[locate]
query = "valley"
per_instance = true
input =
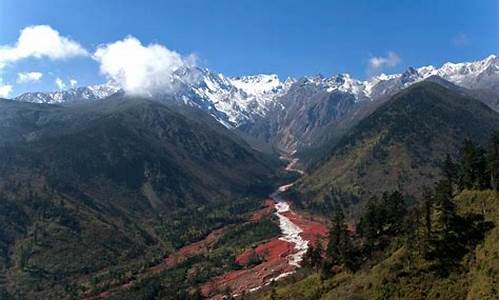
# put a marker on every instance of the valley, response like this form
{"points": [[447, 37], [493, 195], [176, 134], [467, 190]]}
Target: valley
{"points": [[248, 187], [281, 256], [249, 150], [278, 257]]}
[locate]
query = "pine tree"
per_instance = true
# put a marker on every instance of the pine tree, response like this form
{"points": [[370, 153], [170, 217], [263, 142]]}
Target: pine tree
{"points": [[444, 234], [492, 158], [312, 258], [449, 169], [428, 201], [369, 225], [396, 211], [482, 175], [467, 170], [340, 250]]}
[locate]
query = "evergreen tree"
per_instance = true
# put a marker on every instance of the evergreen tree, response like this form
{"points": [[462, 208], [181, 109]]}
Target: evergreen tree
{"points": [[369, 226], [467, 170], [483, 178], [428, 202], [444, 234], [312, 258], [395, 212], [492, 161], [449, 169], [340, 250]]}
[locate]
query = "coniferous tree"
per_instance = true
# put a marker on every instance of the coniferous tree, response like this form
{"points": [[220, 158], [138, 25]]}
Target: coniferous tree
{"points": [[492, 158], [444, 234], [340, 250], [449, 169], [312, 258], [467, 170], [396, 211], [428, 202], [369, 226], [483, 178]]}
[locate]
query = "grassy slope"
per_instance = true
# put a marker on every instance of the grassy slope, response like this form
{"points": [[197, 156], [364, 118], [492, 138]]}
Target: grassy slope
{"points": [[390, 278]]}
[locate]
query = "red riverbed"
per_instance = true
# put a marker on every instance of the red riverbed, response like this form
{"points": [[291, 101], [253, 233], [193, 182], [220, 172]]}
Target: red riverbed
{"points": [[275, 263], [275, 254]]}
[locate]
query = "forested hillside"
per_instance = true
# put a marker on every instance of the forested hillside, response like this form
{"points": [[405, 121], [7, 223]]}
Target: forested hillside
{"points": [[443, 247]]}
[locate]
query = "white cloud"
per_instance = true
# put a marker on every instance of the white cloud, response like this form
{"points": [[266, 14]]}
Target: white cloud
{"points": [[141, 70], [60, 83], [73, 83], [377, 64], [28, 77], [40, 41], [5, 90]]}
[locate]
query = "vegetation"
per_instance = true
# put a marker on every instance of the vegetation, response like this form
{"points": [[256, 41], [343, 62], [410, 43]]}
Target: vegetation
{"points": [[444, 246], [183, 281], [91, 195], [397, 147]]}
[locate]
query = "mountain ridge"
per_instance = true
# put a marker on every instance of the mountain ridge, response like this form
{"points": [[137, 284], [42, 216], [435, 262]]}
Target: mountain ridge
{"points": [[234, 101], [397, 147]]}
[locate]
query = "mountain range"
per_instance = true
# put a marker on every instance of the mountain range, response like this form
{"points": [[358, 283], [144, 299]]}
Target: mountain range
{"points": [[284, 115], [400, 146], [98, 187]]}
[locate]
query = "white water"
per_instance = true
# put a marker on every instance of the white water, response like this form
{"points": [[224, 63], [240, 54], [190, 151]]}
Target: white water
{"points": [[291, 234], [290, 231]]}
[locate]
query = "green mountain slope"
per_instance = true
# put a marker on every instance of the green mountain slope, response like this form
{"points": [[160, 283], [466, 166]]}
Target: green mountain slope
{"points": [[113, 186], [395, 277], [399, 146]]}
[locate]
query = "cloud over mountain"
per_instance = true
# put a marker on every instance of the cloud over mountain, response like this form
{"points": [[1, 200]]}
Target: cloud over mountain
{"points": [[378, 63], [24, 77], [142, 70]]}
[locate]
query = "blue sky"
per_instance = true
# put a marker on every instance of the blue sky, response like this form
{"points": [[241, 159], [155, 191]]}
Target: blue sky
{"points": [[290, 38]]}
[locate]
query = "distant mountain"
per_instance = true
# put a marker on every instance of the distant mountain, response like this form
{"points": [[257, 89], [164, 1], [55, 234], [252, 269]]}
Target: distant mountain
{"points": [[317, 111], [231, 101], [295, 113], [114, 184], [92, 92], [399, 146]]}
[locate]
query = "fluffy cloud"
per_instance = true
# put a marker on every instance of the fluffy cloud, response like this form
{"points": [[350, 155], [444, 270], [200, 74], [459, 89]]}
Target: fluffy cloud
{"points": [[60, 83], [40, 41], [377, 64], [142, 70], [5, 90], [73, 83], [28, 77]]}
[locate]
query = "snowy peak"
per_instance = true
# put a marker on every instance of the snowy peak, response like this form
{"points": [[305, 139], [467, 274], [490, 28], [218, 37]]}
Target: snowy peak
{"points": [[477, 75], [472, 75], [262, 85], [234, 101], [92, 92]]}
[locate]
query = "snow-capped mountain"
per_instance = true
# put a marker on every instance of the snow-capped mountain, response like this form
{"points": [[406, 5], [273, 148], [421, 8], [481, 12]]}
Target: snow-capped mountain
{"points": [[235, 101], [317, 109], [92, 92], [232, 101], [477, 75]]}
